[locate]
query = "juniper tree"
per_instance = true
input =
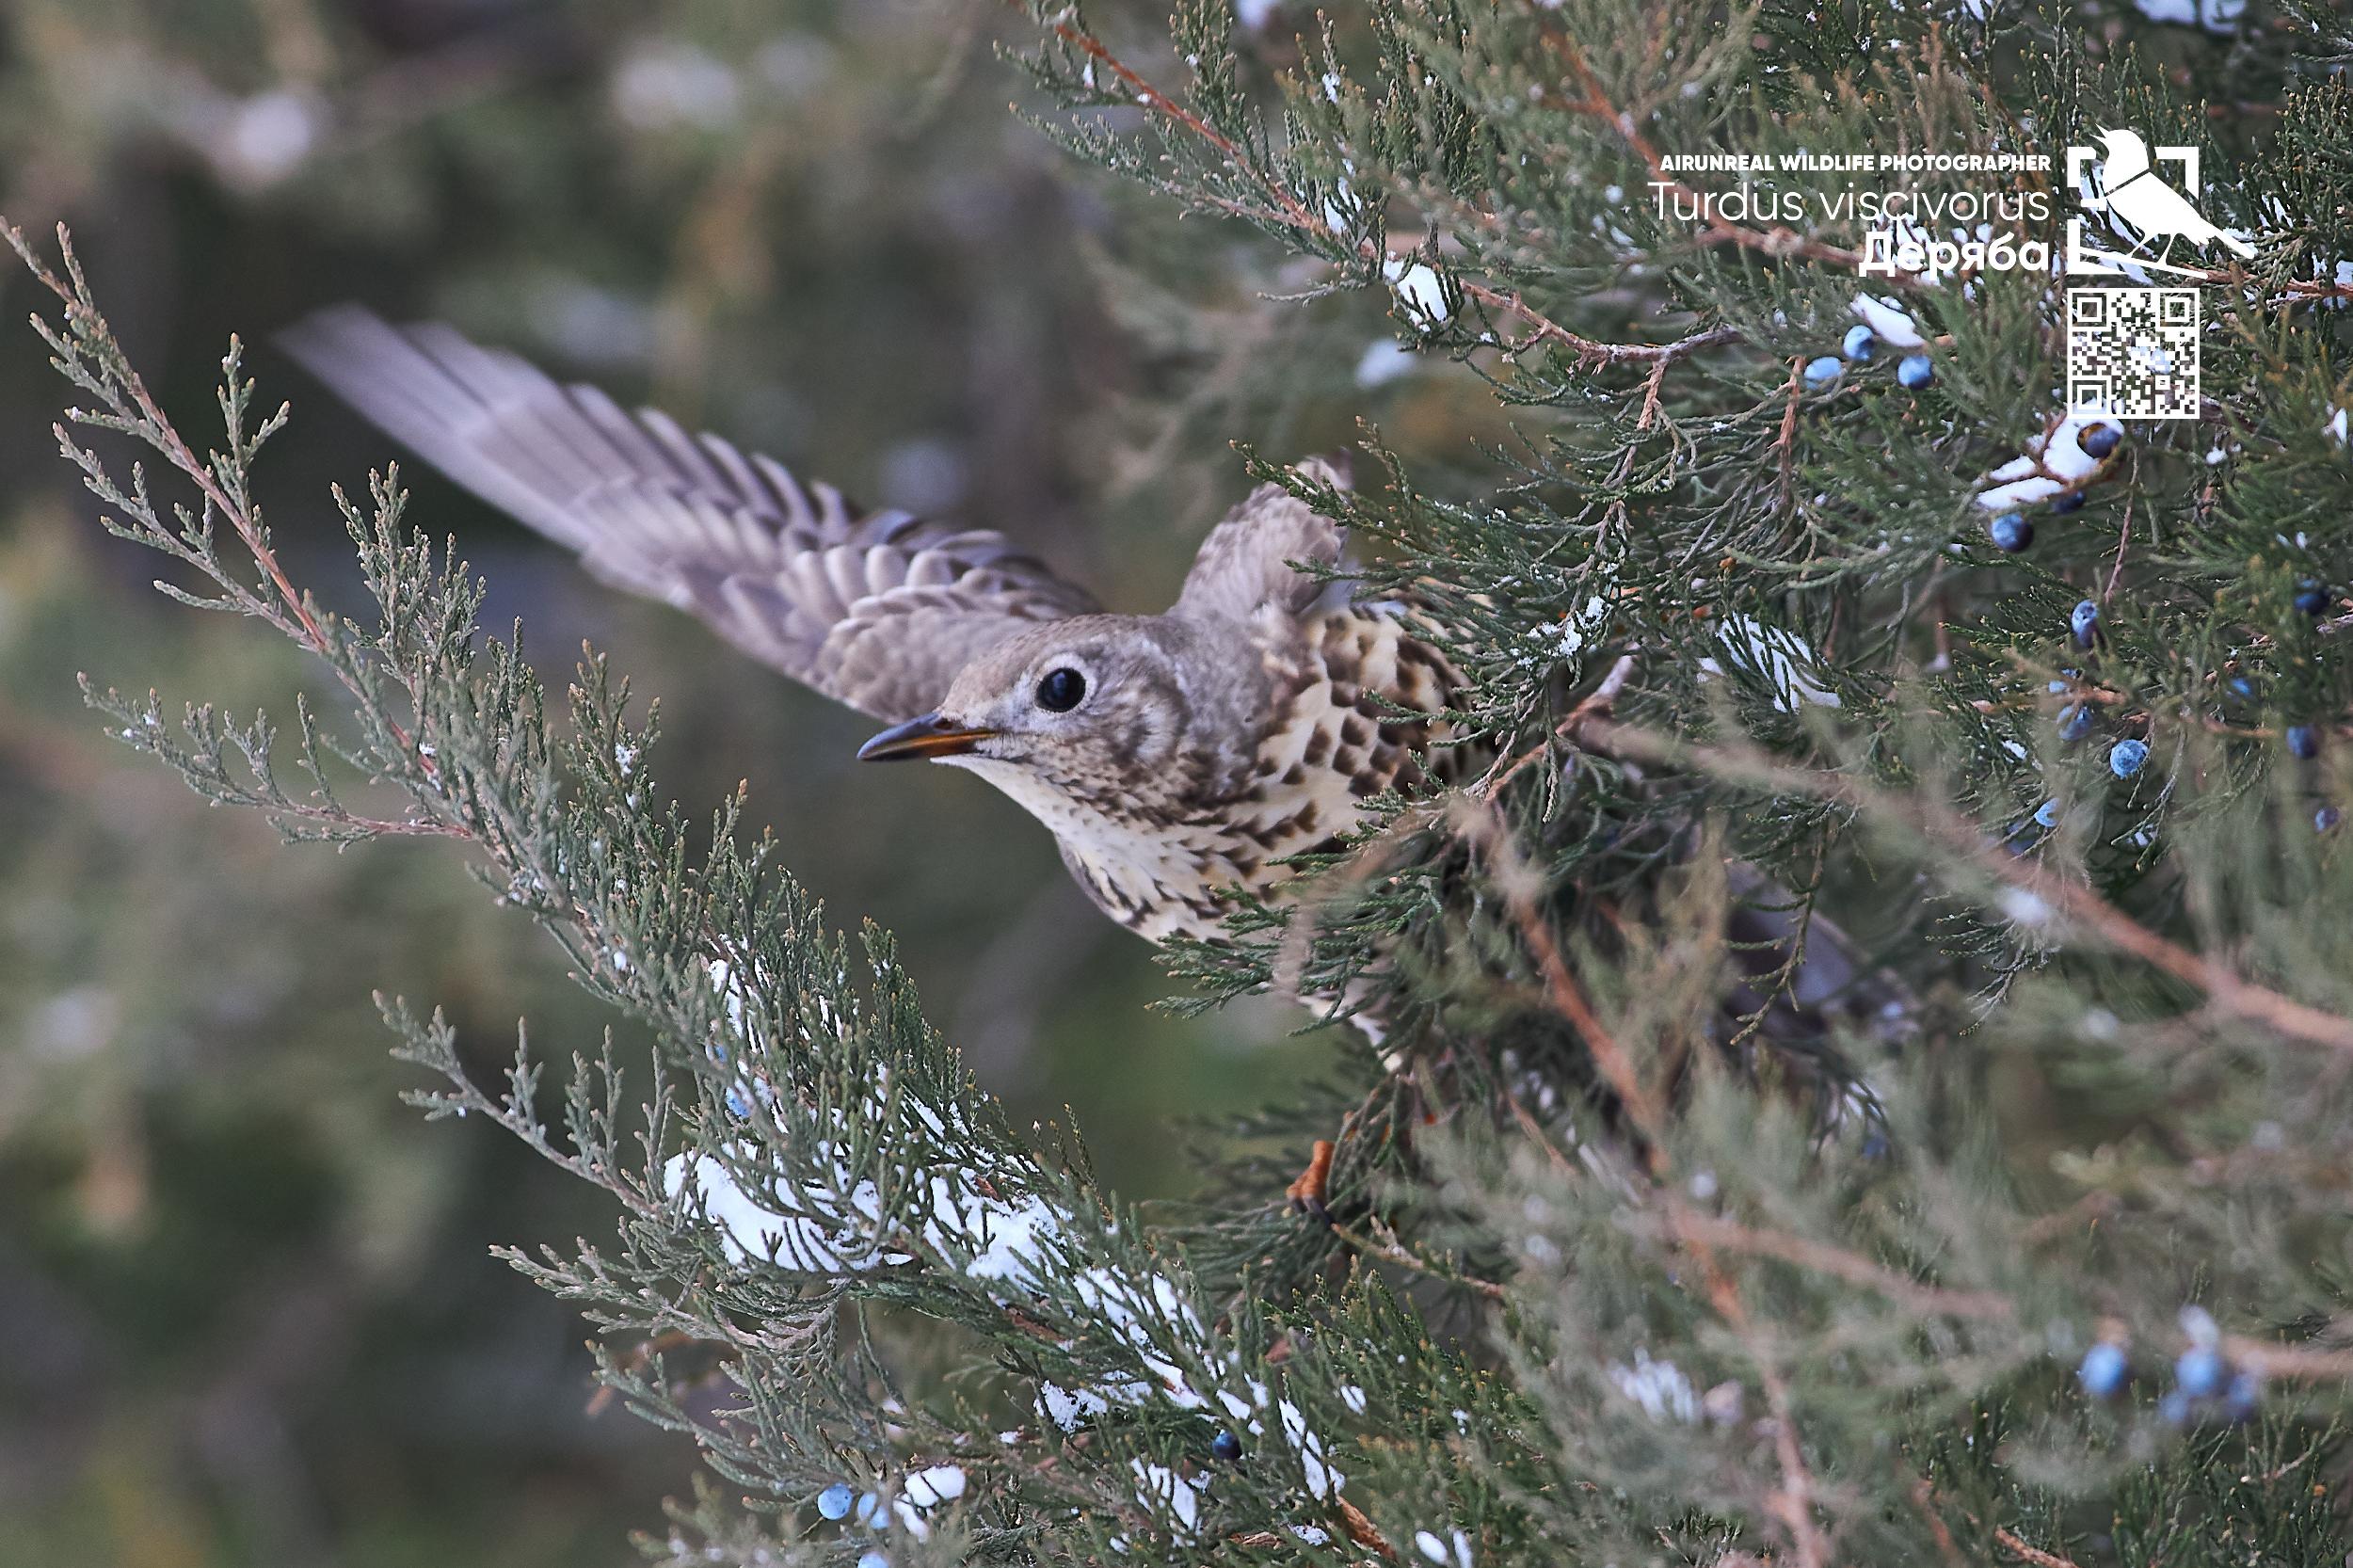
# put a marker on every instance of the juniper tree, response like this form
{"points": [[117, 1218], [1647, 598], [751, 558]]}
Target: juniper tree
{"points": [[1784, 566]]}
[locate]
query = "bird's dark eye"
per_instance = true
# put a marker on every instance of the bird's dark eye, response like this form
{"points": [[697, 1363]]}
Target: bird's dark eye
{"points": [[1062, 690]]}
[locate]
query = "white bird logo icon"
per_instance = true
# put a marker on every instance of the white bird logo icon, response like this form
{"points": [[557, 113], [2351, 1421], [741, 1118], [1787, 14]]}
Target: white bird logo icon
{"points": [[2137, 195]]}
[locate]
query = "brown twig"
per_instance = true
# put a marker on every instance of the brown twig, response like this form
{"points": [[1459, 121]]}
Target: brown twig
{"points": [[1480, 823], [2123, 540], [176, 452], [1651, 385], [1285, 207], [1599, 703], [2011, 1541], [1361, 1529], [1390, 1250], [2225, 989], [1785, 444], [1793, 1505], [1542, 329], [1822, 1258], [1924, 1498], [296, 619], [2300, 1362]]}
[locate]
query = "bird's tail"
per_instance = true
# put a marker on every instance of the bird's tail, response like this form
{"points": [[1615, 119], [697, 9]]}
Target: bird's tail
{"points": [[2236, 245]]}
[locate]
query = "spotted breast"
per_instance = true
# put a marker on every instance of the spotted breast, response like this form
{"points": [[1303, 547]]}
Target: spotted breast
{"points": [[1355, 699]]}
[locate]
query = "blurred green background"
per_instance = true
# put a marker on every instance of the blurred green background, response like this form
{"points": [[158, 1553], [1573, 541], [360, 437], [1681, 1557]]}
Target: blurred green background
{"points": [[250, 1314]]}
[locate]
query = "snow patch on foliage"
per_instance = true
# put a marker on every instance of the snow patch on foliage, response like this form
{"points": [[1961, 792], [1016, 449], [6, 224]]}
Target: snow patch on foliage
{"points": [[1164, 1492], [1383, 361], [1782, 659], [752, 1230], [1456, 1554], [1891, 326], [2047, 467], [1015, 1244], [1419, 290], [1659, 1388]]}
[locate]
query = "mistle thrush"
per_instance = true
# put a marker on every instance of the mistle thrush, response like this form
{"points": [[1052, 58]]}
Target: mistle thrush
{"points": [[1174, 757]]}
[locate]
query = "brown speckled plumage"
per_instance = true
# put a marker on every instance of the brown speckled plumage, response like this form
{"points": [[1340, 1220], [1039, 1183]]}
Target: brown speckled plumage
{"points": [[1246, 724], [1304, 733]]}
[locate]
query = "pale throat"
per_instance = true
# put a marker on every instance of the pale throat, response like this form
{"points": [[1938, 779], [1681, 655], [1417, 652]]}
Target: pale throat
{"points": [[1157, 877]]}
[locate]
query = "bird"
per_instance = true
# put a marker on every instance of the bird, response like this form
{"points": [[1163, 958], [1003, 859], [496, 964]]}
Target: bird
{"points": [[1175, 757], [2137, 194]]}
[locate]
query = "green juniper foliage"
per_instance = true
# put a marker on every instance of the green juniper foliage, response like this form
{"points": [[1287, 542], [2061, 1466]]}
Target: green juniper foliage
{"points": [[2057, 1275]]}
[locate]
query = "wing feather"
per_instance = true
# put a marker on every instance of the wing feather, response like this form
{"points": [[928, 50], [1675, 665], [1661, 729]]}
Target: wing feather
{"points": [[1245, 562], [877, 610]]}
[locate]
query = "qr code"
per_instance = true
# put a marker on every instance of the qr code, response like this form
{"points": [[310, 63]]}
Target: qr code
{"points": [[2132, 353]]}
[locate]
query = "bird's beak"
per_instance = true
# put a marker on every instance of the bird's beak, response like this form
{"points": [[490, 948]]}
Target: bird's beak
{"points": [[927, 736]]}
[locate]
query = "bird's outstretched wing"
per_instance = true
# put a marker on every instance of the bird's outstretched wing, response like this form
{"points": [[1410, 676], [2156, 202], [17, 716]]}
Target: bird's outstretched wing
{"points": [[1245, 563], [877, 610]]}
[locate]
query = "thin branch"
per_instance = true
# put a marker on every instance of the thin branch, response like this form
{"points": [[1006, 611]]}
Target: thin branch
{"points": [[1481, 824], [1389, 1250], [1785, 444], [1481, 821], [1924, 1499], [1598, 704], [156, 428], [1286, 209], [2225, 989], [2300, 1362], [2011, 1541], [167, 440], [1822, 1258]]}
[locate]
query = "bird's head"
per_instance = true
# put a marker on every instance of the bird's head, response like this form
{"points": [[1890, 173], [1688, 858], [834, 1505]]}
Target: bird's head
{"points": [[1106, 706]]}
